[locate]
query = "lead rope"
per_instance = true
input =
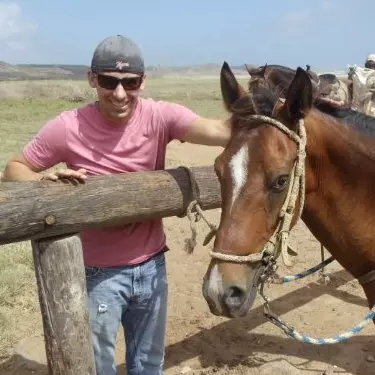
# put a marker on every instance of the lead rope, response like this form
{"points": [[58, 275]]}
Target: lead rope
{"points": [[292, 332], [323, 275], [195, 213]]}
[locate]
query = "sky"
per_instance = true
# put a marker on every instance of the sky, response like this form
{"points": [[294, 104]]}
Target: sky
{"points": [[326, 34]]}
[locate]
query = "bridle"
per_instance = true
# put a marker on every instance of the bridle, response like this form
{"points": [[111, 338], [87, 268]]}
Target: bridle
{"points": [[278, 242]]}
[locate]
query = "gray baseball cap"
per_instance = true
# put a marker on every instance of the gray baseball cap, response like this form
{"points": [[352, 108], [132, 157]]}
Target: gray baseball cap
{"points": [[117, 54]]}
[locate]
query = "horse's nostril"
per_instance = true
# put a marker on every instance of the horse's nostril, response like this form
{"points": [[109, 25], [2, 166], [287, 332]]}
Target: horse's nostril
{"points": [[234, 297], [235, 292]]}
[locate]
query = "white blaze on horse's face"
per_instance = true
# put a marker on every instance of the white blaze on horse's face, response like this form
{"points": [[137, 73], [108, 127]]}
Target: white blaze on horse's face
{"points": [[214, 288], [238, 170]]}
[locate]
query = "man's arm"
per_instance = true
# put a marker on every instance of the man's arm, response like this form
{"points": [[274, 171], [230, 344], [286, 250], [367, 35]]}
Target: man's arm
{"points": [[206, 131], [187, 126], [19, 169], [47, 149]]}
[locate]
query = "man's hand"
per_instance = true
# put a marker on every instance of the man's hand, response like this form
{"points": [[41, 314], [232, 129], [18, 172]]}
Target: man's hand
{"points": [[69, 175], [333, 103]]}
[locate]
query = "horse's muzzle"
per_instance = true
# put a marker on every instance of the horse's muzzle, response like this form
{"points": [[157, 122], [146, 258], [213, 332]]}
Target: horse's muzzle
{"points": [[231, 300]]}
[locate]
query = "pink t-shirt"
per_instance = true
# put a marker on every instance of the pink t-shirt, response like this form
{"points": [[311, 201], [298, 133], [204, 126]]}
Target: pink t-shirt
{"points": [[82, 139]]}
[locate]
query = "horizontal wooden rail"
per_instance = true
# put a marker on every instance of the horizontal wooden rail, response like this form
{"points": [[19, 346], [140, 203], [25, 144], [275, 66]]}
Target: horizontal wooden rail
{"points": [[44, 209]]}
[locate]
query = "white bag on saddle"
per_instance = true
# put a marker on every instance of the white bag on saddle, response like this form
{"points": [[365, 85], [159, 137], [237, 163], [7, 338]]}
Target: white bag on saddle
{"points": [[363, 82]]}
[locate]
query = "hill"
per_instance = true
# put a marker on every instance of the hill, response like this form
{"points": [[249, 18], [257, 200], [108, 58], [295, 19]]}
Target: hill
{"points": [[19, 72]]}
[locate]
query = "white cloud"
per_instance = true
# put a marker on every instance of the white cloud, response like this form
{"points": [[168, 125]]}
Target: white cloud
{"points": [[15, 27]]}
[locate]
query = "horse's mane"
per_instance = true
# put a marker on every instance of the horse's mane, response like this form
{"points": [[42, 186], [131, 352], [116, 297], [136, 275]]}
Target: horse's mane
{"points": [[261, 68], [356, 120]]}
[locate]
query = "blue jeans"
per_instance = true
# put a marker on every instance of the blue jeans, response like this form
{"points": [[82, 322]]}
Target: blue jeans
{"points": [[136, 297]]}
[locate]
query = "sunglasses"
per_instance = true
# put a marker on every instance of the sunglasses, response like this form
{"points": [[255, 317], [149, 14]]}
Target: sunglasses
{"points": [[128, 83]]}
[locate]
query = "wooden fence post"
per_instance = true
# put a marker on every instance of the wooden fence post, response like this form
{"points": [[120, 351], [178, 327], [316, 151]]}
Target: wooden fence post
{"points": [[61, 284]]}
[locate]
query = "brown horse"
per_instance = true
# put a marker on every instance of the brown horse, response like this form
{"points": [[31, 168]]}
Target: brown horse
{"points": [[256, 172], [280, 76]]}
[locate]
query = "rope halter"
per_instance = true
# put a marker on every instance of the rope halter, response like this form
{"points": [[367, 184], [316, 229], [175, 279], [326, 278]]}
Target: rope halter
{"points": [[278, 243]]}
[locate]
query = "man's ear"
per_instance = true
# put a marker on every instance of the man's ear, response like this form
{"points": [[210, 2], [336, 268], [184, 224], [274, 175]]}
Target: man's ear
{"points": [[143, 85], [91, 79]]}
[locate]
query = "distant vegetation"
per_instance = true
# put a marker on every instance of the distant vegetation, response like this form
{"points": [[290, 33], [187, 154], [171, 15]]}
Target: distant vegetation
{"points": [[22, 72], [19, 72]]}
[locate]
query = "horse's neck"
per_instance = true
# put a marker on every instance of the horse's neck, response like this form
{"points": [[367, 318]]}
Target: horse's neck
{"points": [[340, 183]]}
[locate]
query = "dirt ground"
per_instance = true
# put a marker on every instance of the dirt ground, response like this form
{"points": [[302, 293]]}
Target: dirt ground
{"points": [[201, 343]]}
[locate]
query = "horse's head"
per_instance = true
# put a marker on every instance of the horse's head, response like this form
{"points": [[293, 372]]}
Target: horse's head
{"points": [[278, 77], [263, 76], [254, 172]]}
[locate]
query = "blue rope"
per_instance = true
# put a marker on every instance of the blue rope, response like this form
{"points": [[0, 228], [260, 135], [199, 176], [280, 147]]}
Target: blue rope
{"points": [[293, 333], [301, 275]]}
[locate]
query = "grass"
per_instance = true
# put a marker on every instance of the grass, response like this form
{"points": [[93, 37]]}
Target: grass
{"points": [[24, 108], [20, 119], [19, 309]]}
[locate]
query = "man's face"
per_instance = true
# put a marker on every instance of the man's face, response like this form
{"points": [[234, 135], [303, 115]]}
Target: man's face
{"points": [[117, 93]]}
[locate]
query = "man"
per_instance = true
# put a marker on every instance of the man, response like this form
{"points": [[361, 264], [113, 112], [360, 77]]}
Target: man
{"points": [[120, 132], [370, 62]]}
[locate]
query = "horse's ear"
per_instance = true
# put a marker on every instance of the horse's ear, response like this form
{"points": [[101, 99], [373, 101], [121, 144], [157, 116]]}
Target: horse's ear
{"points": [[262, 71], [248, 68], [230, 88], [298, 99], [259, 71]]}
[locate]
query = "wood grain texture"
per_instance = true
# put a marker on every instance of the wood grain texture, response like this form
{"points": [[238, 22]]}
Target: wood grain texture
{"points": [[61, 284]]}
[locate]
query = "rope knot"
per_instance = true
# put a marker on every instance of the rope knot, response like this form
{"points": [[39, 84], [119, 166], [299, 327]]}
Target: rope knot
{"points": [[195, 213]]}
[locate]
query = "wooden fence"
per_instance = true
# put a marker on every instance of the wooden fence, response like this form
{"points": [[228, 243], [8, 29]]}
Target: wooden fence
{"points": [[51, 215]]}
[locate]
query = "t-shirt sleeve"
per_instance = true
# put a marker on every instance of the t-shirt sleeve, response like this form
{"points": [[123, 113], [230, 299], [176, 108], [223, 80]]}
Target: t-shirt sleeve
{"points": [[176, 118], [48, 147]]}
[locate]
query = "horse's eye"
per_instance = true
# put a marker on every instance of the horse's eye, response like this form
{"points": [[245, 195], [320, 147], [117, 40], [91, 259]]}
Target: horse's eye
{"points": [[280, 183]]}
